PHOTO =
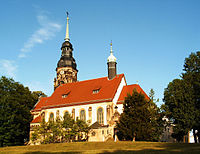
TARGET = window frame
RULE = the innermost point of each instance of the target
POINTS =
(100, 116)
(81, 115)
(51, 118)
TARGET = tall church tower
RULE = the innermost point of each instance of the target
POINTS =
(112, 64)
(66, 66)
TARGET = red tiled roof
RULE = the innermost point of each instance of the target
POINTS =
(129, 89)
(36, 120)
(81, 93)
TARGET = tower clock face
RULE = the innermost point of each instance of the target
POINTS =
(61, 72)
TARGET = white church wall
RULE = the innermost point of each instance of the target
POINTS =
(94, 112)
(120, 108)
(119, 90)
(78, 108)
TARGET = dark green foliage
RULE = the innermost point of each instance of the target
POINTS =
(16, 101)
(191, 76)
(140, 119)
(66, 130)
(179, 107)
(182, 99)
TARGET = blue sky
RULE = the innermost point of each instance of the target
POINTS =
(151, 39)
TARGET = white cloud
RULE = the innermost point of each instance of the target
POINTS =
(8, 68)
(45, 32)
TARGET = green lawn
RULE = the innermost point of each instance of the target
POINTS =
(106, 147)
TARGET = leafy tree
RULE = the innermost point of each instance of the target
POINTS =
(58, 131)
(191, 76)
(38, 94)
(139, 119)
(179, 107)
(182, 99)
(157, 121)
(16, 101)
(82, 129)
(69, 126)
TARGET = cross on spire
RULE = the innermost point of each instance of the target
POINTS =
(111, 51)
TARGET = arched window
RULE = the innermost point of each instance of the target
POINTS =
(100, 116)
(66, 113)
(51, 117)
(82, 115)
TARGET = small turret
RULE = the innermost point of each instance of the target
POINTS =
(112, 64)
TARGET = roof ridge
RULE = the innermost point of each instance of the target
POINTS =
(100, 78)
(91, 79)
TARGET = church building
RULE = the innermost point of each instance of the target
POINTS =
(99, 102)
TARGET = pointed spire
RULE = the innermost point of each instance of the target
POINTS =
(111, 58)
(111, 51)
(111, 62)
(67, 28)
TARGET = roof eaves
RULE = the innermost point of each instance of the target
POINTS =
(77, 103)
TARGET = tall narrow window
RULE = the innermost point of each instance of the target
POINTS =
(90, 112)
(100, 116)
(51, 117)
(82, 115)
(43, 115)
(66, 114)
(73, 113)
(57, 114)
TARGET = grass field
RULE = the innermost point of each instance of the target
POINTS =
(105, 147)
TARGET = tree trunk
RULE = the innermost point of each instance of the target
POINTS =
(134, 135)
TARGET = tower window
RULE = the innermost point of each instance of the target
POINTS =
(95, 91)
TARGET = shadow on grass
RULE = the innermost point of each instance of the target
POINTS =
(136, 151)
(138, 148)
(39, 152)
(144, 151)
(183, 148)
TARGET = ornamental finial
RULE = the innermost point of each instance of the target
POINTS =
(111, 58)
(111, 51)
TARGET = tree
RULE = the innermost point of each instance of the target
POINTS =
(139, 119)
(82, 129)
(182, 99)
(38, 94)
(16, 101)
(156, 117)
(69, 127)
(191, 76)
(179, 107)
(61, 130)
